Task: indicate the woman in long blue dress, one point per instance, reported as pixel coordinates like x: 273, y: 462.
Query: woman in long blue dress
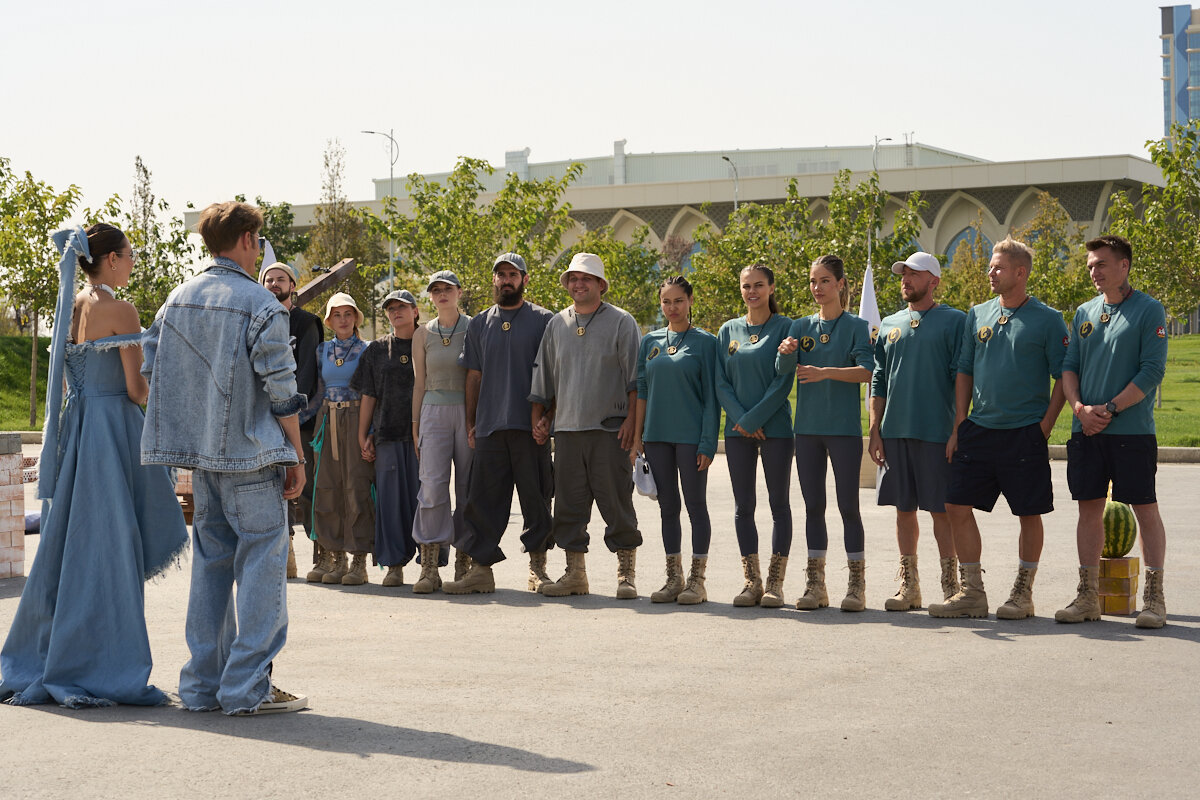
x: 108, y: 523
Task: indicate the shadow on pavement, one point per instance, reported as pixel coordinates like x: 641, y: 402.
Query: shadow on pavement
x: 11, y: 587
x: 331, y: 734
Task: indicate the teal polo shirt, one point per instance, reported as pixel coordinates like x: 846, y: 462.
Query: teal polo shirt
x: 751, y: 392
x: 828, y: 408
x: 1011, y: 364
x: 914, y: 372
x: 1131, y: 347
x: 679, y: 388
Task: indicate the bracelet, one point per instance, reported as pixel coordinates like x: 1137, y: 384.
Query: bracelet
x: 301, y: 462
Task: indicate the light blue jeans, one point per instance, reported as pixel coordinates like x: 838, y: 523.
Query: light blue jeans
x: 239, y: 535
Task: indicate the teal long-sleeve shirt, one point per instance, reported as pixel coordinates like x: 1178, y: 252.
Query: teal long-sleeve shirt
x: 828, y: 408
x: 679, y: 388
x: 1107, y: 356
x: 751, y: 392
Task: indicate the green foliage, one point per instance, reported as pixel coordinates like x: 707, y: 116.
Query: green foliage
x: 631, y: 270
x: 1165, y: 232
x: 14, y: 382
x: 788, y: 237
x: 964, y: 282
x: 32, y: 211
x: 451, y: 228
x: 1060, y: 277
x: 278, y: 220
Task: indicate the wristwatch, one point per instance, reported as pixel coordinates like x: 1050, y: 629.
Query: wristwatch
x: 1111, y: 408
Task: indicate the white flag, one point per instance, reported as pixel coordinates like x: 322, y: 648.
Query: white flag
x: 269, y: 255
x: 868, y: 309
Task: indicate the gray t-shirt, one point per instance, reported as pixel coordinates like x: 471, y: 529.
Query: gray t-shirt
x: 588, y: 378
x: 505, y: 360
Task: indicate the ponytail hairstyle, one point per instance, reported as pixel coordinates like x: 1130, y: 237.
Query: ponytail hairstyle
x: 838, y: 269
x: 102, y: 239
x: 770, y: 273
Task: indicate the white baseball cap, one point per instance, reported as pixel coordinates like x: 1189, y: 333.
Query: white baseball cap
x: 920, y: 261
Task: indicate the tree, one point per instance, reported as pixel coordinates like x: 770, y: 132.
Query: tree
x: 788, y: 237
x: 631, y: 270
x: 165, y: 249
x: 340, y: 233
x: 675, y: 251
x: 32, y: 211
x: 1060, y: 277
x: 964, y: 280
x: 1166, y: 233
x: 449, y: 227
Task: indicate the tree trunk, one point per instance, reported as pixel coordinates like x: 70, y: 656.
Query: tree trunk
x: 33, y: 360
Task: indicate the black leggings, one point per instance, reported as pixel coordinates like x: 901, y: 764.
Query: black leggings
x: 846, y: 454
x: 672, y: 465
x: 741, y: 455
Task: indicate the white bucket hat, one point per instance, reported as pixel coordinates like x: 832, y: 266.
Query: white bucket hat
x: 342, y: 299
x: 589, y: 264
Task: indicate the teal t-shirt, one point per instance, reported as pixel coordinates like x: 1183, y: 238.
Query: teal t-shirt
x: 914, y: 372
x: 751, y: 392
x: 679, y: 388
x: 1011, y: 364
x: 1107, y: 356
x: 828, y: 408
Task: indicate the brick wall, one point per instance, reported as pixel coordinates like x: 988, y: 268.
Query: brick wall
x: 12, y: 508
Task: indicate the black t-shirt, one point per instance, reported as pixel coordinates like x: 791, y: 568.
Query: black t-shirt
x: 385, y: 372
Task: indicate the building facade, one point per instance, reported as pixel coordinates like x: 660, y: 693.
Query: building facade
x: 1180, y: 65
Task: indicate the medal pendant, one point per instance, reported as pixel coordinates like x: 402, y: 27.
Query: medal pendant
x: 824, y: 338
x: 339, y: 361
x: 1105, y: 317
x: 1002, y: 321
x: 672, y: 350
x: 754, y: 338
x: 403, y: 359
x: 914, y: 323
x: 506, y: 326
x: 445, y: 341
x: 580, y: 331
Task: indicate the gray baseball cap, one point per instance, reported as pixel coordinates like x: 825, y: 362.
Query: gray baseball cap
x: 510, y: 258
x: 442, y: 276
x: 403, y: 295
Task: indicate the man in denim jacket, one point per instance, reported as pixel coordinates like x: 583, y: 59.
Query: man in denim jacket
x: 223, y: 403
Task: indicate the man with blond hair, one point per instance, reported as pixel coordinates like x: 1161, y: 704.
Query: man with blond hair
x: 223, y: 403
x: 1012, y: 346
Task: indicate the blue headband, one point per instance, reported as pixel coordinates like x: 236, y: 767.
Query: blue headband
x: 72, y: 243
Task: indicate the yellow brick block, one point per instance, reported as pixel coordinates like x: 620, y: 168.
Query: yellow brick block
x: 1118, y: 605
x: 1119, y: 587
x: 1128, y: 567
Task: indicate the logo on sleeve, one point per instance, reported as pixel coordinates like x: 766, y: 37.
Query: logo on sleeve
x: 983, y: 334
x: 654, y: 351
x: 1085, y: 330
x: 807, y: 343
x: 1066, y: 341
x: 893, y: 335
x: 1161, y: 332
x: 733, y: 346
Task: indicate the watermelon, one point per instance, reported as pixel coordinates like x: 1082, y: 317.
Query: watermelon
x: 1120, y: 529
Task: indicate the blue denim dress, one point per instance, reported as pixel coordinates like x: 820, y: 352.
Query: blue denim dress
x: 79, y: 635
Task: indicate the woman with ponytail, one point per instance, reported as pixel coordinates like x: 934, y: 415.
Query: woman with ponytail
x: 108, y: 522
x: 830, y: 354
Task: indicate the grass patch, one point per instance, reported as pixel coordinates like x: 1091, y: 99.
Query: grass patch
x: 14, y: 382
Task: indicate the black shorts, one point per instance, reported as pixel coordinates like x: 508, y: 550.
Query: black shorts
x: 1013, y: 462
x: 1128, y: 460
x: 914, y: 477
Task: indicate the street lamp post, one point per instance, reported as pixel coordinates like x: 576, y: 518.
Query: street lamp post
x: 874, y: 169
x: 394, y: 152
x: 735, y: 181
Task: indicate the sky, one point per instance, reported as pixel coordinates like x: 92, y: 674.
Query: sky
x: 220, y: 98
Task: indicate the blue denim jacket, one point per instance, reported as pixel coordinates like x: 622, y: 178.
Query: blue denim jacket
x: 221, y: 370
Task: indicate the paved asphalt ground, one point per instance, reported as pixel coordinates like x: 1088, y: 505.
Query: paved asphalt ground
x: 515, y: 695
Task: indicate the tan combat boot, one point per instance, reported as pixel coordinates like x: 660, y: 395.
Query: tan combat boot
x: 321, y: 568
x: 478, y: 580
x: 950, y: 583
x: 430, y: 580
x: 537, y: 572
x: 856, y: 589
x: 462, y: 563
x: 1020, y: 602
x: 292, y: 570
x: 337, y: 567
x: 969, y: 601
x: 815, y: 594
x: 773, y: 591
x: 626, y: 574
x: 1154, y: 605
x: 674, y: 585
x: 1086, y: 605
x: 357, y: 574
x: 573, y: 581
x: 694, y: 592
x: 752, y: 591
x: 908, y: 596
x: 394, y: 577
